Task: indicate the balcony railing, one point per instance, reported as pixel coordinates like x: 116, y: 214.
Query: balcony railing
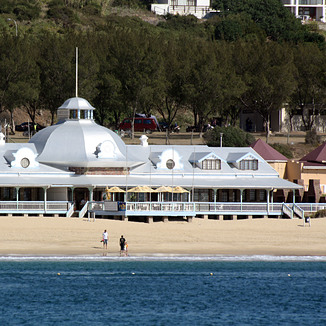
x: 192, y: 208
x: 38, y: 207
x: 158, y: 208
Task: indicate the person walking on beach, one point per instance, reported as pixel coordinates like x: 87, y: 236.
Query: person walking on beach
x: 105, y: 239
x: 126, y: 249
x: 122, y: 245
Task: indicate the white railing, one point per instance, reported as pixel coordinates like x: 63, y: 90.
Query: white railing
x: 298, y: 210
x: 238, y: 207
x: 34, y: 206
x: 311, y: 207
x: 83, y: 211
x: 161, y: 206
x: 287, y: 210
x: 198, y: 207
x: 71, y: 210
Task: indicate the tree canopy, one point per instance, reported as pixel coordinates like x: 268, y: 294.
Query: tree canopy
x: 243, y: 58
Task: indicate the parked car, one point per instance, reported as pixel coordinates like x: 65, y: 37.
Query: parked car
x: 164, y: 127
x: 147, y: 125
x: 24, y: 126
x: 197, y: 129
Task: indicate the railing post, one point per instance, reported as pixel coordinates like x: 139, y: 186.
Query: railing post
x: 241, y: 192
x: 17, y: 198
x: 45, y: 197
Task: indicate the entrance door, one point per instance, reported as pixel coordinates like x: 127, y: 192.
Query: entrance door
x: 81, y: 196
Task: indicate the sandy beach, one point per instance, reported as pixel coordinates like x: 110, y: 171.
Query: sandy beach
x: 73, y: 236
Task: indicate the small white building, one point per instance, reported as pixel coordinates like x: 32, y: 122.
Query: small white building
x: 198, y: 8
x: 307, y: 9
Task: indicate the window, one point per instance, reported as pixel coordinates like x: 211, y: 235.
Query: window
x: 249, y: 165
x: 252, y: 195
x: 225, y: 195
x: 24, y: 162
x: 137, y: 121
x: 170, y: 164
x: 210, y: 164
x: 262, y: 195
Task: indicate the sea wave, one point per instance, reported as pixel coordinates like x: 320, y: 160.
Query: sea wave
x: 164, y: 257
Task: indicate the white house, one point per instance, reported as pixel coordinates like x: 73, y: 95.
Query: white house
x: 307, y: 9
x: 198, y: 8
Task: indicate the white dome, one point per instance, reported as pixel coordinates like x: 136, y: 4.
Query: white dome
x: 77, y: 103
x: 79, y: 143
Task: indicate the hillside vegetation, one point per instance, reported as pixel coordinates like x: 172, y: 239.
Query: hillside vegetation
x: 253, y: 55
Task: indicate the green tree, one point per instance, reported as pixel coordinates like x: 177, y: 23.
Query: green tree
x: 176, y: 74
x: 56, y: 62
x: 309, y: 96
x: 230, y: 136
x: 19, y: 74
x: 135, y: 61
x: 271, y: 16
x: 268, y: 72
x: 212, y: 83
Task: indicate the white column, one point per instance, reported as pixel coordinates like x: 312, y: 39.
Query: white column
x: 45, y: 197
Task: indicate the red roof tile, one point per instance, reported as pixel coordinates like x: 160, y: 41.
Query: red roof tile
x: 317, y: 155
x: 267, y: 152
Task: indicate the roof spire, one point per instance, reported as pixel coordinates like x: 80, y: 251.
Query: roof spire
x: 76, y: 71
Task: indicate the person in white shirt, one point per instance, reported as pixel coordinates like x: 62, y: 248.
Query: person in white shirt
x: 105, y: 239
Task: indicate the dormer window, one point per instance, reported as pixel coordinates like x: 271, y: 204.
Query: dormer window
x: 211, y: 164
x: 248, y: 165
x: 170, y: 164
x: 24, y: 162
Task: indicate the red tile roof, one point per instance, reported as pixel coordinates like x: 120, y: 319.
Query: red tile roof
x: 317, y: 155
x: 267, y: 152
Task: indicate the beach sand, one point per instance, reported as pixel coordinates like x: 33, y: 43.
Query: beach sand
x: 72, y: 236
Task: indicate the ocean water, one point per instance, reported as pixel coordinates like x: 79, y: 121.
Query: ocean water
x: 163, y: 291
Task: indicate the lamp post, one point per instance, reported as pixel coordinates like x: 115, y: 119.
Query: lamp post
x: 221, y: 139
x: 10, y: 19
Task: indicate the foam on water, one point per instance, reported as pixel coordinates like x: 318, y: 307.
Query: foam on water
x: 162, y: 257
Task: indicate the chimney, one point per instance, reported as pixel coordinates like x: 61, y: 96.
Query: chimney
x: 143, y: 140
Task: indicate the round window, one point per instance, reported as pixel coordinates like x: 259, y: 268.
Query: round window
x: 170, y: 164
x: 24, y: 162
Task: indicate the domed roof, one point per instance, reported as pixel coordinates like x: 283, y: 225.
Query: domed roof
x: 79, y: 143
x: 76, y: 103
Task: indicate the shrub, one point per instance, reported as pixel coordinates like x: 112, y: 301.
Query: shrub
x: 321, y: 213
x: 232, y: 137
x: 312, y: 138
x: 283, y: 149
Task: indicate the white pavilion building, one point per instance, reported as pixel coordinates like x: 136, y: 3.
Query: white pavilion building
x: 77, y: 167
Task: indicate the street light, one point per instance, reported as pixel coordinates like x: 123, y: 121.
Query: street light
x: 221, y: 139
x: 9, y: 19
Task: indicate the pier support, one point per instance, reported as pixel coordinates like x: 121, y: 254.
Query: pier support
x: 189, y: 219
x: 149, y: 219
x: 165, y: 219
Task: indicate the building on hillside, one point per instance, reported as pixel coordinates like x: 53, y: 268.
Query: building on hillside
x: 198, y: 8
x: 280, y: 121
x: 252, y: 121
x: 78, y: 166
x: 307, y: 9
